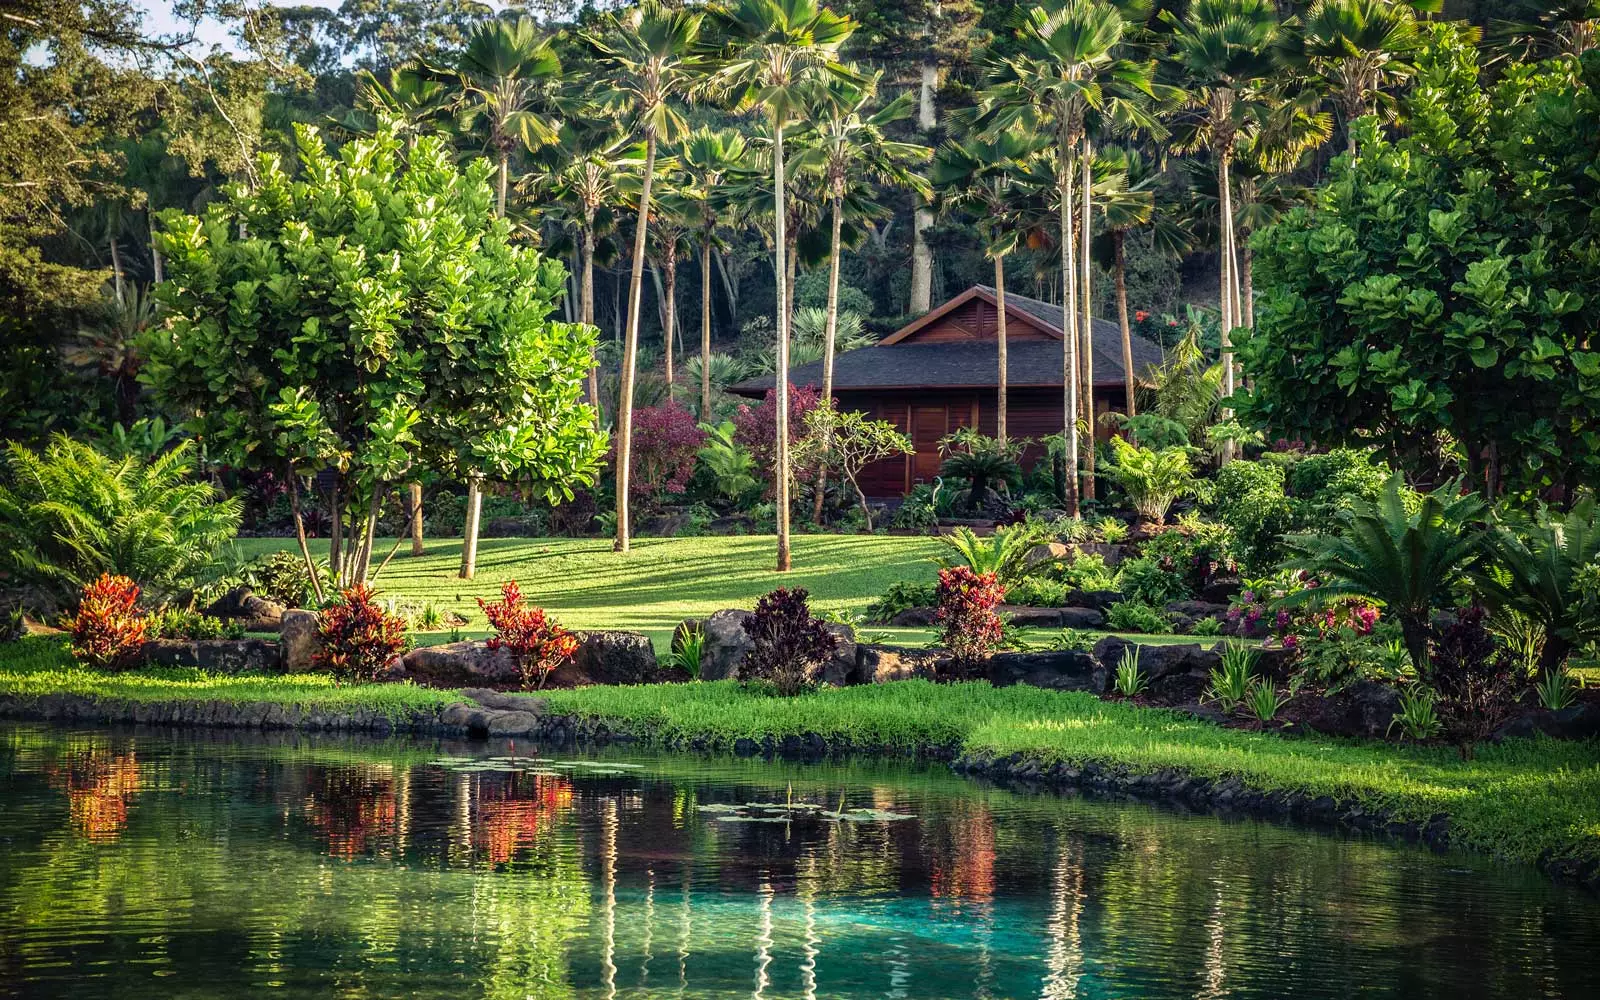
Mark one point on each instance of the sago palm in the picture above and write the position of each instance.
(1547, 569)
(776, 54)
(651, 59)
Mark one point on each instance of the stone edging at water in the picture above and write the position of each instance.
(492, 714)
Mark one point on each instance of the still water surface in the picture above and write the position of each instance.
(140, 864)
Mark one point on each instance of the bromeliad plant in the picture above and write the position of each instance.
(108, 628)
(968, 624)
(788, 643)
(536, 642)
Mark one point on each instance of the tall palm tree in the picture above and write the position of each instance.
(413, 97)
(1356, 48)
(777, 52)
(506, 72)
(708, 158)
(672, 223)
(1067, 67)
(650, 56)
(980, 174)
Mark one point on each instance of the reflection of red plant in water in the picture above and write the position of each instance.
(523, 809)
(98, 784)
(968, 874)
(350, 808)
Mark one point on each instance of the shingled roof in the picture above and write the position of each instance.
(970, 364)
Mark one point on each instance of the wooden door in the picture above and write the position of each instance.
(928, 425)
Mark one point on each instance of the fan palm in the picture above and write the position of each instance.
(777, 53)
(412, 98)
(1550, 574)
(1356, 48)
(650, 56)
(1066, 67)
(1405, 557)
(708, 157)
(672, 224)
(979, 174)
(506, 71)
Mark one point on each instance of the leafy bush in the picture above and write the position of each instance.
(788, 642)
(69, 514)
(282, 577)
(982, 469)
(1472, 675)
(968, 624)
(901, 596)
(756, 427)
(1003, 553)
(1039, 592)
(1249, 498)
(1197, 551)
(179, 623)
(1087, 571)
(108, 627)
(916, 512)
(1206, 627)
(1324, 485)
(1137, 616)
(359, 638)
(1151, 479)
(1147, 581)
(666, 442)
(535, 641)
(1109, 530)
(1549, 575)
(732, 467)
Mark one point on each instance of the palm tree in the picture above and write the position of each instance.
(414, 98)
(505, 72)
(708, 158)
(1356, 48)
(979, 174)
(1066, 68)
(650, 56)
(777, 52)
(673, 221)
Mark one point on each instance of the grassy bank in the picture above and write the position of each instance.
(1521, 799)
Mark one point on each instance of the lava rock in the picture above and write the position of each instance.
(459, 664)
(1159, 661)
(914, 618)
(725, 645)
(878, 664)
(609, 656)
(1046, 552)
(223, 656)
(1082, 618)
(1060, 670)
(1100, 600)
(298, 643)
(1026, 617)
(257, 614)
(1576, 722)
(505, 702)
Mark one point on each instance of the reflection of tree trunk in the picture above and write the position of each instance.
(630, 349)
(416, 519)
(1000, 345)
(1121, 268)
(781, 395)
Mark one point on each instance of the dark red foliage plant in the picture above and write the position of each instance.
(788, 644)
(108, 629)
(535, 641)
(968, 624)
(755, 428)
(1473, 675)
(359, 638)
(666, 440)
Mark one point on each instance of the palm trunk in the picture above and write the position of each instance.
(1121, 267)
(500, 194)
(1069, 330)
(1247, 292)
(336, 531)
(705, 328)
(630, 349)
(158, 267)
(586, 314)
(469, 530)
(781, 394)
(830, 334)
(1086, 334)
(116, 267)
(670, 323)
(1000, 345)
(416, 519)
(922, 217)
(1229, 301)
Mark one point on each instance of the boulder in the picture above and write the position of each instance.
(1157, 661)
(1100, 600)
(1046, 552)
(1111, 552)
(223, 656)
(1026, 617)
(1185, 614)
(257, 614)
(878, 664)
(841, 668)
(1059, 670)
(1221, 590)
(914, 618)
(1082, 618)
(609, 656)
(1365, 708)
(503, 701)
(726, 643)
(297, 641)
(459, 664)
(1575, 722)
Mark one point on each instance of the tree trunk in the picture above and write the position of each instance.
(670, 323)
(300, 536)
(1000, 346)
(781, 394)
(500, 194)
(157, 266)
(1230, 303)
(469, 531)
(116, 267)
(630, 349)
(1121, 267)
(1086, 334)
(336, 530)
(416, 519)
(829, 336)
(922, 218)
(1247, 294)
(586, 314)
(1069, 330)
(369, 528)
(705, 328)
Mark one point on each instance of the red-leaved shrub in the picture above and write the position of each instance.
(108, 628)
(537, 643)
(969, 625)
(756, 427)
(787, 643)
(666, 441)
(359, 638)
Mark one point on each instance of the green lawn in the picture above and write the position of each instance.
(662, 581)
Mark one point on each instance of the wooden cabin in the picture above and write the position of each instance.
(939, 372)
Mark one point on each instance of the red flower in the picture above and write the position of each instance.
(1139, 316)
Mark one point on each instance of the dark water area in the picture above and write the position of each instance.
(156, 864)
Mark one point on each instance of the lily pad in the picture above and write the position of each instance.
(864, 815)
(718, 807)
(733, 818)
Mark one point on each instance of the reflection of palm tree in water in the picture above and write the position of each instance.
(513, 813)
(1065, 959)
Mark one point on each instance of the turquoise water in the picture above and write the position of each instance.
(140, 864)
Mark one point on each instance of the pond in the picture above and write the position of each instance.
(142, 864)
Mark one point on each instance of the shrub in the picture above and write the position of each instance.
(756, 427)
(1548, 574)
(536, 643)
(1147, 581)
(1151, 479)
(1039, 592)
(1323, 485)
(1472, 675)
(14, 625)
(1249, 498)
(666, 442)
(108, 628)
(69, 514)
(731, 466)
(1263, 701)
(968, 624)
(916, 512)
(1418, 719)
(282, 577)
(1004, 553)
(901, 595)
(178, 623)
(1557, 689)
(1136, 616)
(359, 638)
(1109, 530)
(1130, 682)
(789, 644)
(1231, 680)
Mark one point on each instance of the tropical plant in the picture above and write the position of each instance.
(1148, 580)
(1473, 676)
(899, 596)
(1137, 617)
(1130, 682)
(1004, 554)
(1357, 49)
(650, 55)
(108, 629)
(1418, 719)
(357, 637)
(69, 514)
(850, 441)
(687, 652)
(1232, 678)
(731, 465)
(708, 158)
(537, 643)
(1151, 479)
(1406, 558)
(777, 52)
(1557, 689)
(969, 626)
(1262, 700)
(1544, 570)
(982, 461)
(787, 643)
(666, 443)
(506, 71)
